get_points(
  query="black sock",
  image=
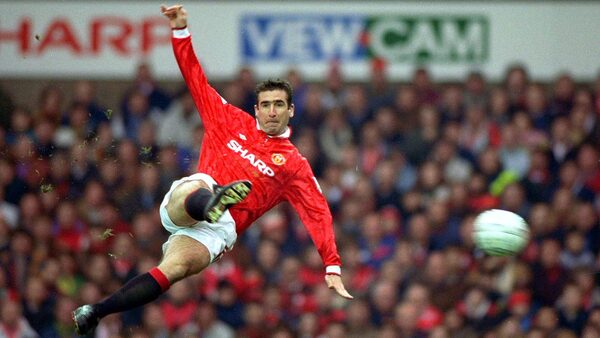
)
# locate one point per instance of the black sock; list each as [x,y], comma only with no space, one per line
[136,292]
[195,203]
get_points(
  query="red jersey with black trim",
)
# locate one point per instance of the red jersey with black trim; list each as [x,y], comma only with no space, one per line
[235,148]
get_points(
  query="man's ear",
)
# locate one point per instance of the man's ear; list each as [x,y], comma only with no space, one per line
[291,110]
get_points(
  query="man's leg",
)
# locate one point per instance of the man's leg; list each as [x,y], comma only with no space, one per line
[183,257]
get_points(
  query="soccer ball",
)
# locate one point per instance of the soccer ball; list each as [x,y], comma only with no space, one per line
[500,233]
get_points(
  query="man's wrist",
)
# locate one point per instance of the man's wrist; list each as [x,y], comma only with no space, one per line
[333,270]
[181,33]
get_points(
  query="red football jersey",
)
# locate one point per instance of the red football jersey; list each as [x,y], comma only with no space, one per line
[235,148]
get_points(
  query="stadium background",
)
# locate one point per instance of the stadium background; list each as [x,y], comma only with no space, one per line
[414,115]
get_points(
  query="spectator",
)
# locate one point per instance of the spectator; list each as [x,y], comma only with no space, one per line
[385,185]
[513,155]
[428,316]
[313,112]
[418,143]
[146,141]
[145,84]
[583,115]
[254,317]
[82,168]
[477,133]
[571,314]
[588,162]
[406,104]
[515,81]
[61,326]
[548,275]
[455,323]
[563,95]
[383,296]
[229,307]
[178,123]
[334,86]
[406,316]
[361,275]
[357,319]
[585,220]
[476,91]
[308,325]
[520,309]
[575,255]
[21,124]
[561,144]
[478,309]
[441,273]
[20,246]
[50,104]
[529,136]
[334,134]
[207,324]
[538,180]
[136,109]
[424,87]
[537,107]
[452,104]
[179,307]
[245,77]
[69,229]
[76,126]
[12,322]
[299,86]
[84,95]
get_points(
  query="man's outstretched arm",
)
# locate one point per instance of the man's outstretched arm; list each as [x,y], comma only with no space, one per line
[210,104]
[305,196]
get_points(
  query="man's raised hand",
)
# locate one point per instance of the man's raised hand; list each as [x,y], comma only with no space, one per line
[176,14]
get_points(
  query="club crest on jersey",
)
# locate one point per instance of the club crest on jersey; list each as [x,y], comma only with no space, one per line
[250,157]
[278,159]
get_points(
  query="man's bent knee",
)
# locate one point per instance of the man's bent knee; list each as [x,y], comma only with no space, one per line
[176,204]
[184,257]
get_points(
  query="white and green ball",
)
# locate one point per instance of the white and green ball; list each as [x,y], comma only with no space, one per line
[500,232]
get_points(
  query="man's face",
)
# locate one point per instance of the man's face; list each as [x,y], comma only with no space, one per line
[273,112]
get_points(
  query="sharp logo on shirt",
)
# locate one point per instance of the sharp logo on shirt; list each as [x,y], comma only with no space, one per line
[250,157]
[278,159]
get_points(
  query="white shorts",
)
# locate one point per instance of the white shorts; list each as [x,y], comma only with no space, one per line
[218,237]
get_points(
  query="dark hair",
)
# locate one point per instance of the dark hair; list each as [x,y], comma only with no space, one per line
[275,84]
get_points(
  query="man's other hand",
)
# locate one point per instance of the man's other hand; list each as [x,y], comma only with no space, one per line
[176,14]
[335,282]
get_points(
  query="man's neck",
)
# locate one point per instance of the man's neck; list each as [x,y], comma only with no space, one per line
[285,134]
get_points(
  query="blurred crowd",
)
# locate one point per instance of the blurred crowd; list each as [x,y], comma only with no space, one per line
[405,167]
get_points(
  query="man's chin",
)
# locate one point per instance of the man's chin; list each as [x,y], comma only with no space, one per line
[272,131]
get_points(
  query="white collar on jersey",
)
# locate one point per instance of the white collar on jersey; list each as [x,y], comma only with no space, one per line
[285,134]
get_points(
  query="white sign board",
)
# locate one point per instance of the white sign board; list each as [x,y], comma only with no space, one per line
[108,39]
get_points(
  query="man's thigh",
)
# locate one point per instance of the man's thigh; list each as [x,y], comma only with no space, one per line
[183,257]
